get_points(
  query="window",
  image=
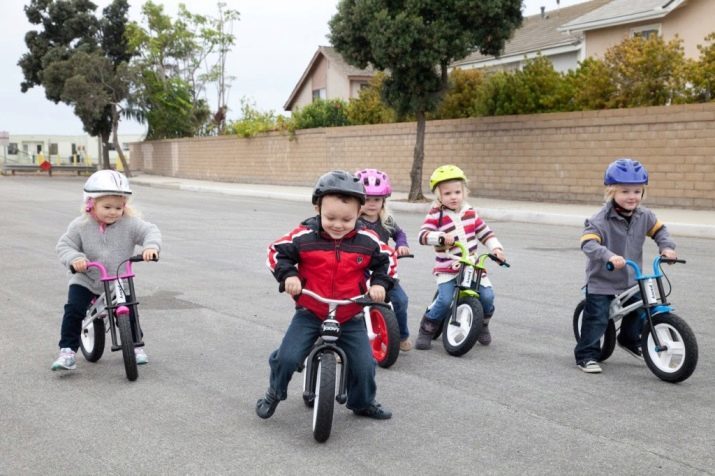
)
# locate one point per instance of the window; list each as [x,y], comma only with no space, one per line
[12,148]
[319,94]
[646,31]
[125,145]
[53,149]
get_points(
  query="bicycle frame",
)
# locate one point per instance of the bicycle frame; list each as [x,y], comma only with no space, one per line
[117,306]
[652,302]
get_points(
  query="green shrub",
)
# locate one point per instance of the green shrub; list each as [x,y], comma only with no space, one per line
[368,107]
[253,121]
[321,113]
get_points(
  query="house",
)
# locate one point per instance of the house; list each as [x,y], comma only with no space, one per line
[604,27]
[328,76]
[539,35]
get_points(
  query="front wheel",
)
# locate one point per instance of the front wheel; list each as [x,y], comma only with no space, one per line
[677,361]
[386,344]
[460,336]
[92,338]
[324,397]
[130,358]
[608,341]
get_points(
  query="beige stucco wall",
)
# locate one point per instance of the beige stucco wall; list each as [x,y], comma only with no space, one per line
[692,23]
[549,157]
[338,84]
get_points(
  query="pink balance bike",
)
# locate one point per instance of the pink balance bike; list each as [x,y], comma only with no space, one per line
[109,313]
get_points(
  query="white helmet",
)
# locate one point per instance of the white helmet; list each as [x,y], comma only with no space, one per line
[106,182]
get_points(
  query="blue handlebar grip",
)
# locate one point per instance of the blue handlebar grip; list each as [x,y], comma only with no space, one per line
[609,266]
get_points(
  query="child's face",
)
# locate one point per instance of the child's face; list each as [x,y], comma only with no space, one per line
[628,196]
[451,194]
[372,207]
[109,209]
[339,215]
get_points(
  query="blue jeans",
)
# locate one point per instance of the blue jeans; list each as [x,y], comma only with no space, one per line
[78,300]
[399,301]
[595,321]
[439,309]
[302,332]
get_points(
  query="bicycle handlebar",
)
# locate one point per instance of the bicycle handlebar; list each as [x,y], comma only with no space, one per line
[103,270]
[362,299]
[656,262]
[465,253]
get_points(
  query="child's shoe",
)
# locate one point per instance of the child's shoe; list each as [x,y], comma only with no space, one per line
[634,350]
[590,367]
[66,360]
[267,405]
[405,344]
[428,327]
[484,337]
[141,356]
[374,410]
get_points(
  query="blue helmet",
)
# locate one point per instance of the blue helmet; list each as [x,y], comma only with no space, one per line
[625,171]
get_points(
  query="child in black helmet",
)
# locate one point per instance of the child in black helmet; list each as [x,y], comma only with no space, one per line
[332,258]
[616,233]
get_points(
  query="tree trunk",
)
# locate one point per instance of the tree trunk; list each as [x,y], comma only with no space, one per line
[417,161]
[105,150]
[115,140]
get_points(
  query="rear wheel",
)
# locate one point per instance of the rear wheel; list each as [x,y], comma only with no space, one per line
[679,358]
[130,358]
[460,336]
[608,341]
[386,344]
[324,397]
[92,338]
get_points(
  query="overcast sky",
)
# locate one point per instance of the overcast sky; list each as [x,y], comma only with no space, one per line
[275,40]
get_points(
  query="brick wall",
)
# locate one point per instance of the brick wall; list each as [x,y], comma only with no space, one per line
[556,157]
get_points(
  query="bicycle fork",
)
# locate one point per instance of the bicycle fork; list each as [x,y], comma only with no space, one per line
[650,300]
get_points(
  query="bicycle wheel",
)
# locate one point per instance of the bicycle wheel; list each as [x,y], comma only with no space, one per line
[125,335]
[608,341]
[459,337]
[678,361]
[324,397]
[386,344]
[308,387]
[92,339]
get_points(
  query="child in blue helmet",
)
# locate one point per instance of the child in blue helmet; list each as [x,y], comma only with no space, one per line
[616,233]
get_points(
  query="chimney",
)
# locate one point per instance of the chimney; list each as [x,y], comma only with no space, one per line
[543,12]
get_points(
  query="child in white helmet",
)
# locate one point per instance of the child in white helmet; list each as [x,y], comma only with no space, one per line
[108,232]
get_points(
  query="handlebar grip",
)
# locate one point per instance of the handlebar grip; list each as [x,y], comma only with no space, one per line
[405,256]
[138,258]
[671,261]
[609,266]
[501,263]
[72,270]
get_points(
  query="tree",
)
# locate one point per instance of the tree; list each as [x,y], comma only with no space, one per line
[703,71]
[368,107]
[82,61]
[415,41]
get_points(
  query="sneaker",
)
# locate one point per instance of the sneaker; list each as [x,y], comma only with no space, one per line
[141,356]
[634,350]
[484,337]
[590,367]
[374,410]
[66,360]
[405,345]
[428,328]
[267,405]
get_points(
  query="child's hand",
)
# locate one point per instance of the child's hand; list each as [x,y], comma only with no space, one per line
[449,239]
[377,293]
[293,285]
[403,250]
[668,253]
[499,253]
[618,262]
[79,265]
[150,254]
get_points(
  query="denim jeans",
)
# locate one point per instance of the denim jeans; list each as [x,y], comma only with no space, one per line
[78,300]
[399,301]
[595,321]
[439,309]
[302,332]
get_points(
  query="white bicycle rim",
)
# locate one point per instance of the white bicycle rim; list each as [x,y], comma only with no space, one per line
[88,336]
[457,334]
[673,358]
[317,393]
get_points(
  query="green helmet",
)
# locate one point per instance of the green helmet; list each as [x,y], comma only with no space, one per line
[445,173]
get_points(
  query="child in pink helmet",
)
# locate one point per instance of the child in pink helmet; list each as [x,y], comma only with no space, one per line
[375,216]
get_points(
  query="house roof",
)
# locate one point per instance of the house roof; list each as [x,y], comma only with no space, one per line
[337,61]
[538,33]
[619,12]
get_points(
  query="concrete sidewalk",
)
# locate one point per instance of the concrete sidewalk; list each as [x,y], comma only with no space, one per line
[681,222]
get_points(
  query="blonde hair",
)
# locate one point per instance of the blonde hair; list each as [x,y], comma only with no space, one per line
[438,196]
[129,210]
[610,191]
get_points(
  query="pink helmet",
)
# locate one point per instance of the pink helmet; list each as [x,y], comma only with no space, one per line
[376,182]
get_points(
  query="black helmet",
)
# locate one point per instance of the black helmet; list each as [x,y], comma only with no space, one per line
[339,182]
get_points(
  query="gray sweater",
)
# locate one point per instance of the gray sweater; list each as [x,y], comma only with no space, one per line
[85,239]
[608,234]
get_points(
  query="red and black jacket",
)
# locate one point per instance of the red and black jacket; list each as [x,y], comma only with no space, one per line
[335,269]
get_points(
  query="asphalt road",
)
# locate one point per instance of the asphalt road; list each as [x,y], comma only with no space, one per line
[212,314]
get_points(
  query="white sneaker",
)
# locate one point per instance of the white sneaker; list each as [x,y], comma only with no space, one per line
[141,356]
[590,367]
[66,360]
